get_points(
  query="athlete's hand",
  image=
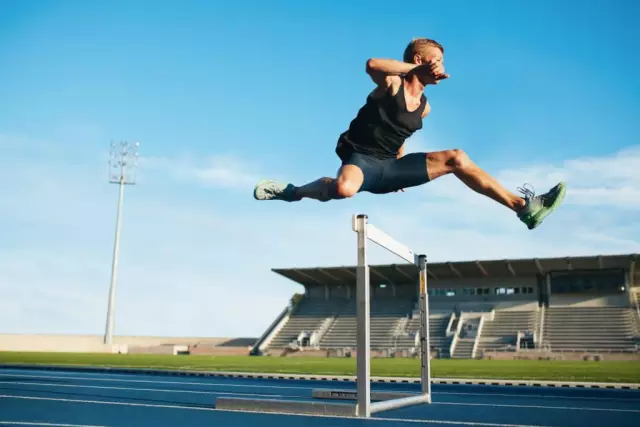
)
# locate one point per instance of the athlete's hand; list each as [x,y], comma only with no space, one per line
[437,71]
[432,72]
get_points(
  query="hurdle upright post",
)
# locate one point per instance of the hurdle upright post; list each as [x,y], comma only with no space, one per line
[363,383]
[425,344]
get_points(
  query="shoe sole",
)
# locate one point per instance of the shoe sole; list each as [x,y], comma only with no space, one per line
[255,189]
[262,197]
[546,211]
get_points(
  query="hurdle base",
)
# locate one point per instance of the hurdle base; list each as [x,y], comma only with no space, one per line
[384,401]
[353,395]
[285,406]
[388,405]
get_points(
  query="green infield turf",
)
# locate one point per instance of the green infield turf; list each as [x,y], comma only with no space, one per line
[605,371]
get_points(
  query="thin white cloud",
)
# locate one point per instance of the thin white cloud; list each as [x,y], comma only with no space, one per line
[222,171]
[612,181]
[189,262]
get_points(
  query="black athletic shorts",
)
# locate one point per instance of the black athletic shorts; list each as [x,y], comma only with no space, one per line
[388,175]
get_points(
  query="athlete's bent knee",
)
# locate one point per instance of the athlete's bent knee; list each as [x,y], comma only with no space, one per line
[345,189]
[457,159]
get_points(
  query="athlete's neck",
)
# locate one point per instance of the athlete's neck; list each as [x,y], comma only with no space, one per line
[414,86]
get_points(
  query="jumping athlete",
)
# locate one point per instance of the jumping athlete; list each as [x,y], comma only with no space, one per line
[372,149]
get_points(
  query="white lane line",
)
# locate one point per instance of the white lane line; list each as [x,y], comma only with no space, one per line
[201,384]
[564,408]
[395,420]
[192,408]
[229,393]
[540,396]
[160,390]
[303,397]
[30,423]
[280,387]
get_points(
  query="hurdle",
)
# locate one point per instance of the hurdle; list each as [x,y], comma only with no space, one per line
[367,402]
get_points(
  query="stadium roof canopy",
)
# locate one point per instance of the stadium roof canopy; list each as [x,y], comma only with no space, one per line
[405,273]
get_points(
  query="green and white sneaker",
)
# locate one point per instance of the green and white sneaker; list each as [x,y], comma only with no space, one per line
[272,190]
[537,208]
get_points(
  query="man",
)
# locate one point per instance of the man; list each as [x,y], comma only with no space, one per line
[371,150]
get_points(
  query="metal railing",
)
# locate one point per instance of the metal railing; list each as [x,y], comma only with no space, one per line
[476,342]
[456,335]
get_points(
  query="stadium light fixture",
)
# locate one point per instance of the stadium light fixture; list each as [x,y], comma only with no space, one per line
[123,164]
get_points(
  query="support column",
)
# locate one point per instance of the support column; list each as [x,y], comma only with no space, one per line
[628,284]
[548,287]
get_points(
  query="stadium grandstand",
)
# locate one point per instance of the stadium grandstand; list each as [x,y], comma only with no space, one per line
[563,307]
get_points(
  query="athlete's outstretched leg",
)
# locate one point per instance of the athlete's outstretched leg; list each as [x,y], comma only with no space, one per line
[458,163]
[347,184]
[531,209]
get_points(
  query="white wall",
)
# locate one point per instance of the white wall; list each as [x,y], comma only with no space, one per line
[470,305]
[87,343]
[583,300]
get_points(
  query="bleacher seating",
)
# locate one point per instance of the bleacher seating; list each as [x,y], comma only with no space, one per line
[396,320]
[385,315]
[589,328]
[308,316]
[437,333]
[463,349]
[502,330]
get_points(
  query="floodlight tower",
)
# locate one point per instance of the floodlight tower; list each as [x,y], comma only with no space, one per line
[123,162]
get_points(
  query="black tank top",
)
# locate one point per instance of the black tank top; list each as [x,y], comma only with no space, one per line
[381,126]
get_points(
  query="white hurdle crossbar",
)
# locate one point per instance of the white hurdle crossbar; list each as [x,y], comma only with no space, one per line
[383,401]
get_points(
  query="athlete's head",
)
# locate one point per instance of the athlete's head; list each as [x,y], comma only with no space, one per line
[422,50]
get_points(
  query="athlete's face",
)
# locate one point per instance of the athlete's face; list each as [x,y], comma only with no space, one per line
[431,62]
[430,54]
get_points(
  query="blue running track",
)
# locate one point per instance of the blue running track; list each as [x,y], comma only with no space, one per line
[74,398]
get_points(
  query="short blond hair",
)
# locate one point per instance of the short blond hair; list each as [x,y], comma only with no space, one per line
[418,46]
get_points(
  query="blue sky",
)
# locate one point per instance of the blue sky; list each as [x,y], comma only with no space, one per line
[221,95]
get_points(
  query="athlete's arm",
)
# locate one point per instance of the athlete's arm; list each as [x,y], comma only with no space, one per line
[389,67]
[400,152]
[384,71]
